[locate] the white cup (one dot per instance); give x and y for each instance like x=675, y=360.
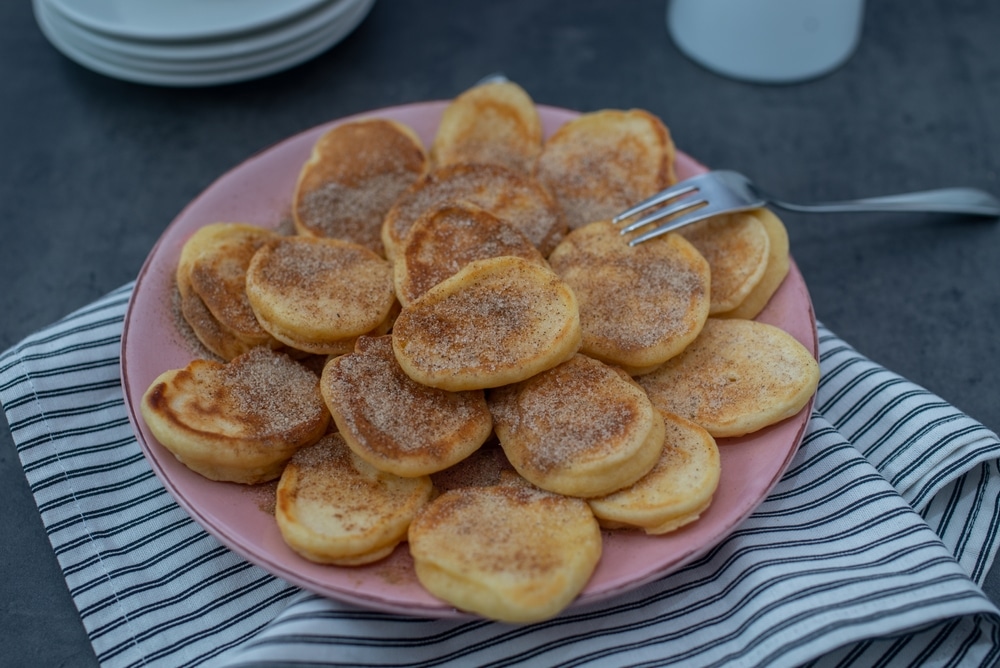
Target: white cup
x=766, y=41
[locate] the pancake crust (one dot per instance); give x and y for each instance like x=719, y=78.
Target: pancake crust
x=395, y=424
x=639, y=306
x=211, y=280
x=237, y=422
x=507, y=552
x=496, y=321
x=675, y=492
x=736, y=378
x=444, y=240
x=601, y=163
x=516, y=198
x=493, y=123
x=334, y=508
x=216, y=339
x=318, y=294
x=581, y=429
x=737, y=248
x=354, y=175
x=778, y=264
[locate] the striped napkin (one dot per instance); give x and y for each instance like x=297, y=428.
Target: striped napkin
x=869, y=551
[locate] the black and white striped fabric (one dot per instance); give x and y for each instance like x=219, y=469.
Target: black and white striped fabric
x=870, y=550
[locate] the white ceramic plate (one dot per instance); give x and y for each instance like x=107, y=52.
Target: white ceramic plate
x=181, y=20
x=224, y=52
x=259, y=192
x=211, y=73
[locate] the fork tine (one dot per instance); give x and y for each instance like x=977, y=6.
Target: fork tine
x=673, y=192
x=675, y=208
x=674, y=224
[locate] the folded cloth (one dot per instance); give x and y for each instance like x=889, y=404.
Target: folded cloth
x=870, y=550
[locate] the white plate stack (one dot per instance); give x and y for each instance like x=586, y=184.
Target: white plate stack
x=195, y=42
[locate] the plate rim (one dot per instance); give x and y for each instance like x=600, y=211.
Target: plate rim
x=119, y=30
x=321, y=42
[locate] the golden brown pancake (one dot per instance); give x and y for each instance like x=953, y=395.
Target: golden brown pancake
x=581, y=429
x=215, y=340
x=496, y=321
x=507, y=552
x=211, y=280
x=319, y=294
x=238, y=422
x=601, y=163
x=444, y=240
x=486, y=466
x=639, y=306
x=332, y=507
x=516, y=198
x=354, y=175
x=737, y=247
x=737, y=377
x=678, y=489
x=396, y=424
x=493, y=123
x=778, y=264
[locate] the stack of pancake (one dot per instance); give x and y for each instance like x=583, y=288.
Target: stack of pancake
x=456, y=350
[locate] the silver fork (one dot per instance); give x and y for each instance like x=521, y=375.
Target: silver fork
x=723, y=191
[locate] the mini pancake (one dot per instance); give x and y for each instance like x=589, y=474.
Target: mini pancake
x=496, y=321
x=737, y=248
x=601, y=163
x=737, y=377
x=493, y=123
x=581, y=429
x=486, y=466
x=778, y=264
x=318, y=294
x=678, y=489
x=507, y=552
x=333, y=348
x=396, y=424
x=238, y=422
x=353, y=177
x=639, y=306
x=514, y=197
x=332, y=507
x=444, y=240
x=211, y=280
x=215, y=339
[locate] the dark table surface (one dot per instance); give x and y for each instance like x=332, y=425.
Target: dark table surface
x=93, y=169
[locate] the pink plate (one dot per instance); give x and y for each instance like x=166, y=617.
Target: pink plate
x=259, y=191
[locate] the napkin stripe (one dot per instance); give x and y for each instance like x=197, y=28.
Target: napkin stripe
x=691, y=652
x=69, y=474
x=962, y=503
x=210, y=631
x=124, y=527
x=82, y=451
x=82, y=366
x=60, y=332
x=57, y=414
x=198, y=616
x=66, y=434
x=18, y=357
x=151, y=608
x=137, y=566
x=62, y=393
x=138, y=543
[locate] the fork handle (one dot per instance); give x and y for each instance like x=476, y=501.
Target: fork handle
x=970, y=201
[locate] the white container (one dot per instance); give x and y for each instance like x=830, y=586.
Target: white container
x=766, y=41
